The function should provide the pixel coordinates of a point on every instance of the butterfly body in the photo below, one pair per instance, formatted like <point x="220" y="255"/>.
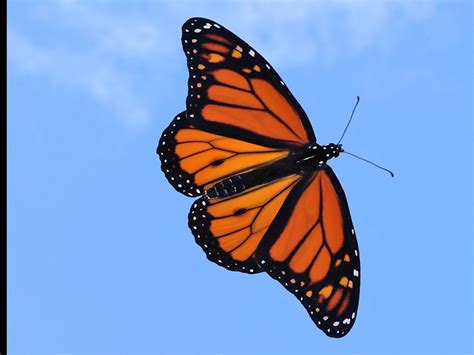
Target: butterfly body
<point x="267" y="200"/>
<point x="299" y="161"/>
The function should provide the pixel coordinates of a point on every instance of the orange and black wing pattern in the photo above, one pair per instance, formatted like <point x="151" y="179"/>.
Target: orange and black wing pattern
<point x="229" y="230"/>
<point x="234" y="91"/>
<point x="193" y="160"/>
<point x="311" y="249"/>
<point x="285" y="217"/>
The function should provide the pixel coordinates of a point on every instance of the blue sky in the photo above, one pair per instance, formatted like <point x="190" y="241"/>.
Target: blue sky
<point x="100" y="258"/>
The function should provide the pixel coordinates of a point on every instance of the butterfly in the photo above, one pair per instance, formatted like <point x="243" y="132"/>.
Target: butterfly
<point x="268" y="201"/>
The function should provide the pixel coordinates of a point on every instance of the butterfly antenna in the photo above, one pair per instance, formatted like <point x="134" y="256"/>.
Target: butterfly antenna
<point x="350" y="119"/>
<point x="368" y="161"/>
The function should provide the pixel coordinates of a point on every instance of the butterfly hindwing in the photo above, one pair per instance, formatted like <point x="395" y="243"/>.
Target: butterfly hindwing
<point x="230" y="229"/>
<point x="233" y="89"/>
<point x="193" y="159"/>
<point x="311" y="249"/>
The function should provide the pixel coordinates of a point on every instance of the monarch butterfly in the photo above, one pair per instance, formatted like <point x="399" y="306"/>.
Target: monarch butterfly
<point x="268" y="201"/>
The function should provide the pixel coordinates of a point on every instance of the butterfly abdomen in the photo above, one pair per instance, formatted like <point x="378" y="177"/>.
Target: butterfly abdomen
<point x="247" y="180"/>
<point x="226" y="187"/>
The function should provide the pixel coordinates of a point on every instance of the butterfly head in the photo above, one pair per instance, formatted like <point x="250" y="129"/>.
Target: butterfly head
<point x="333" y="149"/>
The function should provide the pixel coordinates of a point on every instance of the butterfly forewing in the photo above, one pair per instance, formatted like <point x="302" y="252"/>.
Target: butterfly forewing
<point x="233" y="89"/>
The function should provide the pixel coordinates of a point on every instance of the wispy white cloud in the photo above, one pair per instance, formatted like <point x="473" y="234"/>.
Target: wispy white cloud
<point x="92" y="49"/>
<point x="129" y="33"/>
<point x="86" y="72"/>
<point x="99" y="44"/>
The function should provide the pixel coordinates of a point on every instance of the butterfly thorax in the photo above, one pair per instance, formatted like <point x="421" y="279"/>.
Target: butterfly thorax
<point x="315" y="154"/>
<point x="298" y="161"/>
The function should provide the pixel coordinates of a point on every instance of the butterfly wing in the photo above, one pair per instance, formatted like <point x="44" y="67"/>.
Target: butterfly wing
<point x="311" y="249"/>
<point x="193" y="160"/>
<point x="230" y="229"/>
<point x="232" y="89"/>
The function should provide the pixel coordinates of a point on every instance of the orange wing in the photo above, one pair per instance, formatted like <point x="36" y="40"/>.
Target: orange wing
<point x="193" y="159"/>
<point x="230" y="229"/>
<point x="232" y="89"/>
<point x="312" y="250"/>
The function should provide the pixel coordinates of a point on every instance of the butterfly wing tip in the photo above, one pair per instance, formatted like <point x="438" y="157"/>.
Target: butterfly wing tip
<point x="192" y="21"/>
<point x="334" y="332"/>
<point x="335" y="336"/>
